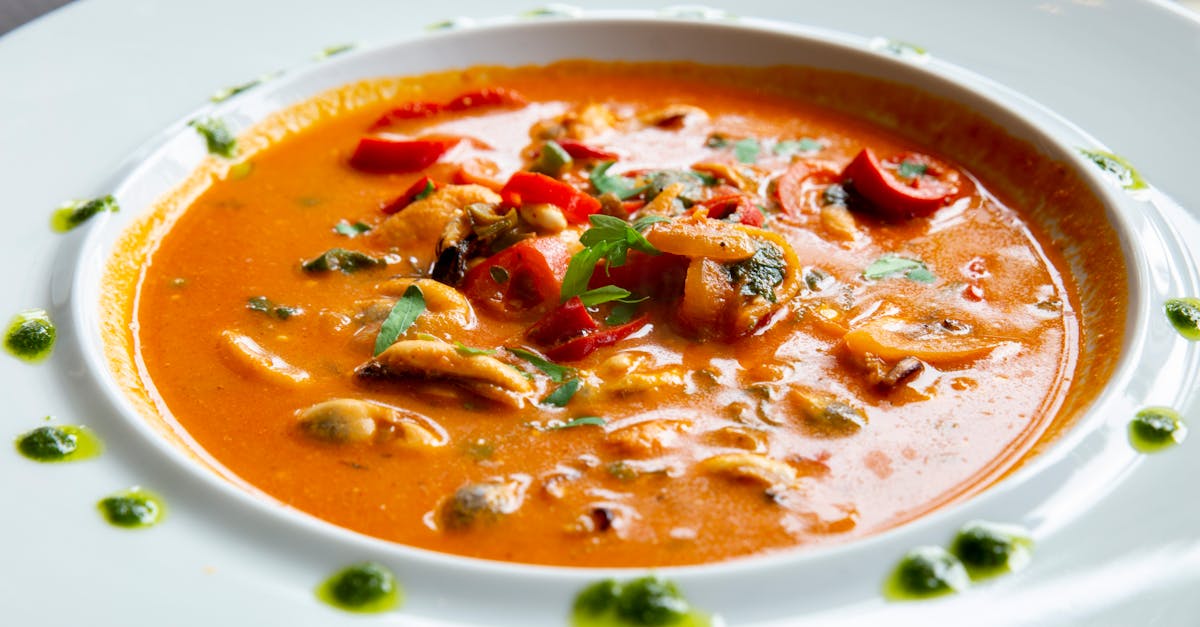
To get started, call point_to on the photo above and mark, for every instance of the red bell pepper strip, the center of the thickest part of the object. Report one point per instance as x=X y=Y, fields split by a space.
x=523 y=276
x=564 y=322
x=382 y=155
x=800 y=182
x=898 y=196
x=739 y=206
x=533 y=188
x=657 y=276
x=584 y=345
x=407 y=111
x=422 y=188
x=580 y=150
x=488 y=96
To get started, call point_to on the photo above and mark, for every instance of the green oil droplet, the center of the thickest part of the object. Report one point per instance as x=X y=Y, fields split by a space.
x=1184 y=314
x=990 y=549
x=132 y=509
x=366 y=588
x=31 y=336
x=645 y=602
x=76 y=212
x=59 y=444
x=1154 y=429
x=924 y=573
x=1117 y=167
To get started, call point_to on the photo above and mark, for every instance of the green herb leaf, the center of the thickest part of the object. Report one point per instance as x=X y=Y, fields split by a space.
x=344 y=227
x=890 y=265
x=463 y=349
x=746 y=150
x=594 y=421
x=429 y=188
x=793 y=146
x=330 y=51
x=226 y=93
x=217 y=136
x=609 y=238
x=400 y=318
x=76 y=212
x=644 y=222
x=606 y=294
x=563 y=393
x=262 y=304
x=580 y=269
x=716 y=140
x=759 y=274
x=347 y=261
x=557 y=373
x=552 y=159
x=911 y=169
x=620 y=186
x=622 y=313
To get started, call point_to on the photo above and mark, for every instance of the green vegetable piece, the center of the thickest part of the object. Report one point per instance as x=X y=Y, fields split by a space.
x=1184 y=314
x=610 y=239
x=1118 y=168
x=645 y=602
x=552 y=159
x=463 y=349
x=366 y=588
x=926 y=572
x=622 y=313
x=563 y=394
x=262 y=304
x=693 y=184
x=1154 y=429
x=597 y=599
x=607 y=294
x=889 y=266
x=759 y=274
x=989 y=549
x=617 y=185
x=792 y=146
x=31 y=336
x=331 y=51
x=344 y=227
x=911 y=169
x=346 y=261
x=76 y=212
x=132 y=509
x=902 y=49
x=746 y=150
x=217 y=136
x=557 y=373
x=59 y=444
x=402 y=316
x=592 y=421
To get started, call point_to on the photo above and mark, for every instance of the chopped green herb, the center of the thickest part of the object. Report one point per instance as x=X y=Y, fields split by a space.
x=926 y=572
x=1154 y=429
x=330 y=51
x=59 y=444
x=563 y=394
x=31 y=336
x=217 y=136
x=645 y=602
x=609 y=239
x=622 y=470
x=76 y=212
x=262 y=304
x=911 y=169
x=759 y=274
x=792 y=146
x=817 y=280
x=891 y=265
x=365 y=588
x=746 y=150
x=225 y=93
x=400 y=318
x=347 y=261
x=132 y=509
x=1184 y=314
x=463 y=349
x=901 y=48
x=644 y=222
x=622 y=313
x=557 y=373
x=239 y=171
x=988 y=549
x=344 y=227
x=1117 y=167
x=552 y=159
x=428 y=337
x=620 y=186
x=836 y=194
x=693 y=184
x=592 y=421
x=606 y=294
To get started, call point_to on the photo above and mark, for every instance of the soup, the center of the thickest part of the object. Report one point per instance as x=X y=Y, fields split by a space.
x=601 y=314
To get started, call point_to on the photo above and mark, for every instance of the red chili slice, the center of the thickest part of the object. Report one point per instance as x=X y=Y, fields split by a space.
x=580 y=347
x=424 y=185
x=523 y=276
x=533 y=188
x=486 y=97
x=568 y=320
x=738 y=205
x=797 y=188
x=383 y=155
x=407 y=111
x=896 y=194
x=580 y=150
x=657 y=276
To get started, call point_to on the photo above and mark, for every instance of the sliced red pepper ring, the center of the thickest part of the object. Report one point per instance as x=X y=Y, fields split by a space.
x=519 y=278
x=737 y=205
x=798 y=189
x=486 y=97
x=584 y=345
x=580 y=150
x=418 y=190
x=568 y=320
x=533 y=188
x=384 y=155
x=905 y=186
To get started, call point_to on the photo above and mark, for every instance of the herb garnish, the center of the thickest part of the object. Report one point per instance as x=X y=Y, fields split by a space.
x=759 y=274
x=347 y=261
x=557 y=373
x=463 y=349
x=746 y=150
x=608 y=293
x=217 y=136
x=622 y=313
x=620 y=186
x=552 y=159
x=594 y=421
x=911 y=169
x=1117 y=167
x=76 y=212
x=262 y=304
x=890 y=265
x=609 y=239
x=793 y=146
x=344 y=227
x=400 y=318
x=563 y=393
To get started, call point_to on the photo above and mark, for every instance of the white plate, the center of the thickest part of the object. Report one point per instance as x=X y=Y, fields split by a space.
x=125 y=70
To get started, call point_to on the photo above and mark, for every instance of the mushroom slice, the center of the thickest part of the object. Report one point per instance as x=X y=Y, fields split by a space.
x=252 y=359
x=350 y=420
x=768 y=471
x=892 y=339
x=482 y=374
x=481 y=502
x=421 y=227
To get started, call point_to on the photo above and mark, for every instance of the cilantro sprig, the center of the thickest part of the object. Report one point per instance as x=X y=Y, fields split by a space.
x=610 y=239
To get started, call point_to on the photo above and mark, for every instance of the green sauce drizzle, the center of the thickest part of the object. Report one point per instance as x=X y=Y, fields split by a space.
x=1184 y=314
x=645 y=602
x=1156 y=428
x=31 y=335
x=76 y=212
x=924 y=573
x=132 y=509
x=366 y=588
x=59 y=444
x=990 y=549
x=217 y=137
x=1117 y=167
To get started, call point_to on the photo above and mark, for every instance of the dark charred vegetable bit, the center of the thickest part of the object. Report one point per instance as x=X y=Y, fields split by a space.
x=552 y=159
x=217 y=136
x=926 y=572
x=602 y=518
x=793 y=146
x=475 y=503
x=59 y=444
x=817 y=280
x=345 y=227
x=381 y=155
x=74 y=213
x=889 y=266
x=759 y=274
x=1118 y=168
x=364 y=588
x=532 y=188
x=1184 y=314
x=400 y=318
x=988 y=549
x=746 y=150
x=645 y=602
x=262 y=304
x=1154 y=429
x=345 y=261
x=132 y=509
x=557 y=373
x=905 y=369
x=31 y=336
x=451 y=264
x=836 y=194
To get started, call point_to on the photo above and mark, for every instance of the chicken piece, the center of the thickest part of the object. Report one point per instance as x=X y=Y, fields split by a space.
x=484 y=375
x=419 y=229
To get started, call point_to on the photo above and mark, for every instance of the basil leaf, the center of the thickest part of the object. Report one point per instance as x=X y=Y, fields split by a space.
x=890 y=265
x=344 y=227
x=262 y=304
x=606 y=294
x=563 y=393
x=622 y=313
x=557 y=373
x=920 y=275
x=217 y=136
x=402 y=316
x=463 y=349
x=644 y=222
x=610 y=238
x=792 y=146
x=759 y=274
x=594 y=421
x=911 y=169
x=76 y=212
x=618 y=185
x=746 y=150
x=580 y=269
x=347 y=261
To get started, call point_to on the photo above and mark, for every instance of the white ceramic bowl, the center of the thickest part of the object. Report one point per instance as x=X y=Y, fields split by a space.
x=840 y=582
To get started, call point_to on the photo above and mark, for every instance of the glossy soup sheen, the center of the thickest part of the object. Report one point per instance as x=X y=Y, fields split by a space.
x=714 y=444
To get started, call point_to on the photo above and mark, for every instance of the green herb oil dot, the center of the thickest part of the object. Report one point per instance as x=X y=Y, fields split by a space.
x=132 y=509
x=988 y=549
x=926 y=572
x=1156 y=428
x=59 y=444
x=366 y=588
x=1184 y=314
x=76 y=212
x=645 y=602
x=31 y=336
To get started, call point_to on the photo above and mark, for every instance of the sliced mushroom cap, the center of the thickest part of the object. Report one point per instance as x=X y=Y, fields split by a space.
x=484 y=375
x=422 y=226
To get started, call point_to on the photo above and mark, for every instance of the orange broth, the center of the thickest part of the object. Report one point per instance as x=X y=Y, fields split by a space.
x=584 y=495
